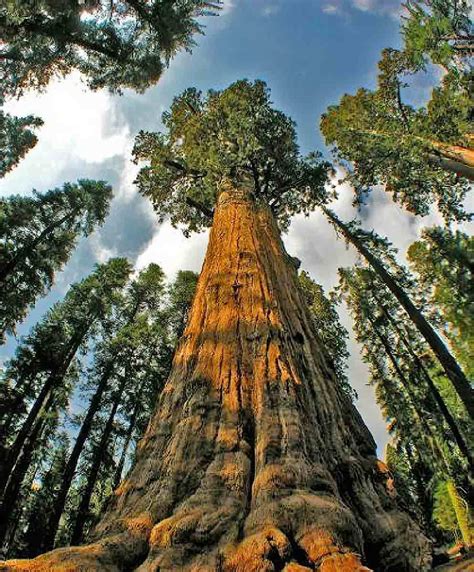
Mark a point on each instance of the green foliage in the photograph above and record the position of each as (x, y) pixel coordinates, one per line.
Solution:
(440, 30)
(181, 294)
(404, 372)
(227, 134)
(16, 139)
(44, 489)
(117, 44)
(50, 348)
(444, 262)
(328, 326)
(128, 365)
(451, 513)
(37, 236)
(382, 141)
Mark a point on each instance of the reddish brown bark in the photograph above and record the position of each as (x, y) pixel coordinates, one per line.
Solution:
(255, 459)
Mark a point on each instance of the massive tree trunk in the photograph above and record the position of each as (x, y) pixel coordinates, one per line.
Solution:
(255, 459)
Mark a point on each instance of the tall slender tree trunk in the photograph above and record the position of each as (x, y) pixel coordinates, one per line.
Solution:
(128, 438)
(450, 365)
(255, 458)
(97, 458)
(73, 460)
(433, 389)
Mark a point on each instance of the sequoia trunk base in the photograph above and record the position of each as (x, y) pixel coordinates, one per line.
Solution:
(255, 459)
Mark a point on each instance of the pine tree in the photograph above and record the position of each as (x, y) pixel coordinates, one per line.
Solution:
(409, 397)
(42, 368)
(395, 278)
(444, 263)
(421, 156)
(37, 236)
(47, 488)
(16, 139)
(125, 44)
(255, 457)
(126, 342)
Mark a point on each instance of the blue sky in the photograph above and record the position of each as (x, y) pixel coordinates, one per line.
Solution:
(310, 52)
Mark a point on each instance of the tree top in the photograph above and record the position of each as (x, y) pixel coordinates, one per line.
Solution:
(232, 134)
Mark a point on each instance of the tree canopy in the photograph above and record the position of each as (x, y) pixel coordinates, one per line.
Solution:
(37, 236)
(16, 139)
(232, 133)
(440, 30)
(421, 155)
(118, 44)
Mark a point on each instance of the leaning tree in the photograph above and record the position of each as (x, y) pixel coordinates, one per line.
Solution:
(255, 458)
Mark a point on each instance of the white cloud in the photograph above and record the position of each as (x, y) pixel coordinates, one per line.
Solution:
(343, 7)
(79, 127)
(173, 251)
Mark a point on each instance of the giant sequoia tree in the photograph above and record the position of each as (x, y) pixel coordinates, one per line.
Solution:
(255, 458)
(421, 155)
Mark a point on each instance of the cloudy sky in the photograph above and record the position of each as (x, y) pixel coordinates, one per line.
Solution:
(310, 52)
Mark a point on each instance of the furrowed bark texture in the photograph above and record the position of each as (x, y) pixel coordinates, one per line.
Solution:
(255, 460)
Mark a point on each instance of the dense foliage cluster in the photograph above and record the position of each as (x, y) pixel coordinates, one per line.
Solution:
(231, 134)
(418, 154)
(37, 236)
(118, 44)
(16, 139)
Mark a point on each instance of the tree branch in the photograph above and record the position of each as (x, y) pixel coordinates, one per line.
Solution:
(200, 207)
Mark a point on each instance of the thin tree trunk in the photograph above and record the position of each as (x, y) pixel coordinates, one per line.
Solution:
(458, 437)
(53, 381)
(10, 266)
(18, 514)
(127, 440)
(97, 458)
(71, 466)
(255, 459)
(451, 367)
(15, 479)
(419, 415)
